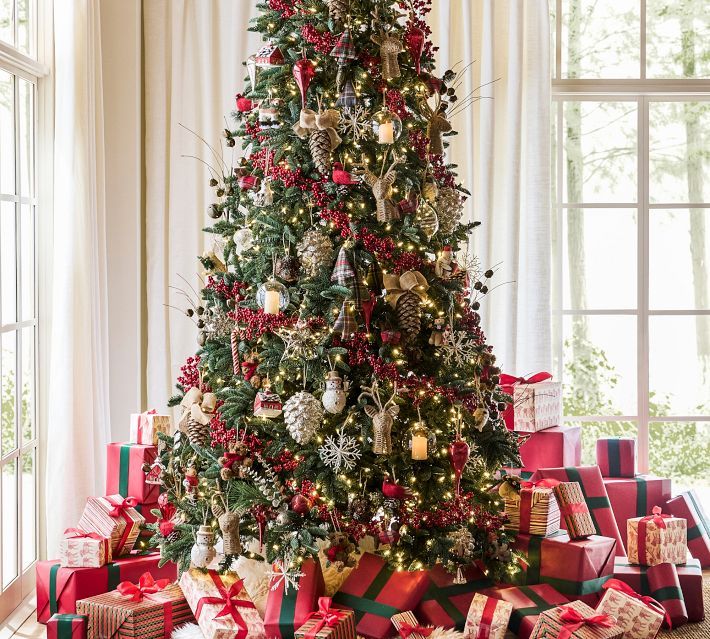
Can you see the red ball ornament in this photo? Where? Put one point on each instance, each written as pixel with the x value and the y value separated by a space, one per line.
pixel 303 72
pixel 301 504
pixel 460 453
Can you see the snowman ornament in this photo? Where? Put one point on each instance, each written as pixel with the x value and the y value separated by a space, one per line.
pixel 203 551
pixel 336 393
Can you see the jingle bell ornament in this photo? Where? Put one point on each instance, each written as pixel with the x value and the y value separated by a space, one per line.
pixel 336 393
pixel 303 72
pixel 203 551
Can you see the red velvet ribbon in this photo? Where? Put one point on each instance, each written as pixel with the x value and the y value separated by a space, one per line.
pixel 78 533
pixel 509 380
pixel 230 601
pixel 119 510
pixel 574 620
pixel 527 488
pixel 406 630
pixel 143 420
pixel 621 586
pixel 574 509
pixel 325 615
pixel 484 627
pixel 658 519
pixel 146 585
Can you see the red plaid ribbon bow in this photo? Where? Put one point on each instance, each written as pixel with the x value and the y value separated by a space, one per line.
pixel 120 507
pixel 574 620
pixel 230 601
pixel 145 587
pixel 325 615
pixel 406 630
pixel 621 586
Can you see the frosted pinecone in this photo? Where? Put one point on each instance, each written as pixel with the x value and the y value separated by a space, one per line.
pixel 449 206
pixel 315 251
pixel 303 414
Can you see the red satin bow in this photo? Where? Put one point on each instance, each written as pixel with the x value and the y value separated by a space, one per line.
pixel 507 380
pixel 621 586
pixel 657 517
pixel 405 630
pixel 146 586
pixel 540 483
pixel 119 508
pixel 230 601
pixel 574 620
pixel 78 533
pixel 325 615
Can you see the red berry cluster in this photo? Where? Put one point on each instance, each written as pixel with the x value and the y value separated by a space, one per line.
pixel 287 8
pixel 219 286
pixel 190 374
pixel 283 462
pixel 253 129
pixel 359 349
pixel 252 324
pixel 441 172
pixel 382 247
pixel 396 104
pixel 259 160
pixel 220 433
pixel 407 261
pixel 419 142
pixel 322 41
pixel 339 218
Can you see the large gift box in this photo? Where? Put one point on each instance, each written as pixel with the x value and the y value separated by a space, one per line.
pixel 144 427
pixel 328 623
pixel 58 589
pixel 114 517
pixel 80 549
pixel 287 608
pixel 641 617
pixel 533 510
pixel 590 481
pixel 635 497
pixel 408 626
pixel 576 620
pixel 664 584
pixel 529 602
pixel 488 617
pixel 375 592
pixel 616 456
pixel 67 627
pixel 576 568
pixel 574 510
pixel 690 578
pixel 221 605
pixel 687 506
pixel 656 539
pixel 124 472
pixel 146 610
pixel 537 403
pixel 552 448
pixel 446 603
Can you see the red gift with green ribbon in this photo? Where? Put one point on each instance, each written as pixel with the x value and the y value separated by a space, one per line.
pixel 616 456
pixel 67 627
pixel 687 506
pixel 124 472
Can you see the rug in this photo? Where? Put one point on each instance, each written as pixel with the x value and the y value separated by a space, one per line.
pixel 694 630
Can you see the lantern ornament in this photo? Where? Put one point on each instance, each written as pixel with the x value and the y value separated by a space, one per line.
pixel 273 297
pixel 422 441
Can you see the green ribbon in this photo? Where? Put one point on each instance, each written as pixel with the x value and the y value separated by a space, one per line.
pixel 518 614
pixel 114 576
pixel 569 587
pixel 593 503
pixel 442 595
pixel 702 517
pixel 667 594
pixel 366 603
pixel 614 455
pixel 644 588
pixel 641 497
pixel 65 625
pixel 124 466
pixel 53 603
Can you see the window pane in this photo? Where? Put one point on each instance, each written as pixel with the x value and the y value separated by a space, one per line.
pixel 27 261
pixel 600 152
pixel 7 133
pixel 600 365
pixel 677 39
pixel 24 38
pixel 8 385
pixel 679 259
pixel 678 158
pixel 28 384
pixel 29 552
pixel 600 258
pixel 591 431
pixel 8 534
pixel 8 264
pixel 7 22
pixel 679 365
pixel 600 38
pixel 25 138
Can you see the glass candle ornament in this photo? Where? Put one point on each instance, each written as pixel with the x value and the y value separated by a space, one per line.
pixel 421 441
pixel 272 296
pixel 386 126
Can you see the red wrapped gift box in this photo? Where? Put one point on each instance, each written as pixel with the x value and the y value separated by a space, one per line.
pixel 665 588
pixel 556 447
pixel 446 603
pixel 375 592
pixel 58 589
pixel 287 611
pixel 687 506
pixel 67 627
pixel 577 568
pixel 590 480
pixel 635 497
pixel 616 456
pixel 124 471
pixel 529 602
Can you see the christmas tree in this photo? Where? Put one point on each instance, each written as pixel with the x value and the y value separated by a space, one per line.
pixel 343 388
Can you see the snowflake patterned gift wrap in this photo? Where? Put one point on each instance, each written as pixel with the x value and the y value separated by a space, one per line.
pixel 221 605
pixel 113 517
pixel 80 549
pixel 328 623
pixel 641 617
pixel 537 402
pixel 534 510
pixel 657 539
pixel 576 620
pixel 487 618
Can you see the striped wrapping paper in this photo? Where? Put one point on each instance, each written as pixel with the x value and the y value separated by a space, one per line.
pixel 144 427
pixel 407 617
pixel 544 513
pixel 112 614
pixel 688 507
pixel 549 625
pixel 574 510
pixel 122 530
pixel 487 617
pixel 344 628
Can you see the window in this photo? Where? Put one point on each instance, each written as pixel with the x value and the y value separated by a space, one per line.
pixel 631 123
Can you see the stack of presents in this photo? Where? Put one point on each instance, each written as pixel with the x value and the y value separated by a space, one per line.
pixel 604 553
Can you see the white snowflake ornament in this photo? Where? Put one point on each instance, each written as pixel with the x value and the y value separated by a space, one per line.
pixel 282 572
pixel 457 347
pixel 340 451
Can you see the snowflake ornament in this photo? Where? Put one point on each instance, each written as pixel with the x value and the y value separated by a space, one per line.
pixel 340 451
pixel 457 348
pixel 282 572
pixel 356 123
pixel 300 340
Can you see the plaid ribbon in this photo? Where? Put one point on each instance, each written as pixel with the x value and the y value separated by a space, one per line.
pixel 344 48
pixel 347 98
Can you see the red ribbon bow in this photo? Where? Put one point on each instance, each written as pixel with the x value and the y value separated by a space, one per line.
pixel 405 630
pixel 230 601
pixel 574 620
pixel 621 586
pixel 78 533
pixel 526 493
pixel 507 380
pixel 657 518
pixel 540 483
pixel 120 507
pixel 145 587
pixel 325 615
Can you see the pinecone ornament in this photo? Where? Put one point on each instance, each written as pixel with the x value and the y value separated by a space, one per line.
pixel 315 251
pixel 449 207
pixel 303 414
pixel 409 315
pixel 338 10
pixel 198 433
pixel 320 146
pixel 426 219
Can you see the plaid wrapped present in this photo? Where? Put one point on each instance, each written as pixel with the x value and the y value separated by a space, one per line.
pixel 534 510
pixel 574 510
pixel 656 539
pixel 328 623
pixel 487 617
pixel 408 626
pixel 687 506
pixel 114 517
pixel 576 620
pixel 67 627
pixel 641 617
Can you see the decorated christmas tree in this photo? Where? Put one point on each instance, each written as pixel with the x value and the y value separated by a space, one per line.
pixel 343 389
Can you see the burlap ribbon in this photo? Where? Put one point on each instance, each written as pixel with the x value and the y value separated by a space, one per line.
pixel 324 121
pixel 199 406
pixel 398 285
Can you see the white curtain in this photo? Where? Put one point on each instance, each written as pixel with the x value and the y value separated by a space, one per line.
pixel 78 423
pixel 503 153
pixel 194 50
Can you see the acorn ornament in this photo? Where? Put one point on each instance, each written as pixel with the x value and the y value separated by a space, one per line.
pixel 336 393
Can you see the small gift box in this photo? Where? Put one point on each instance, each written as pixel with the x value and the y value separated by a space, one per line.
pixel 80 549
pixel 408 627
pixel 664 585
pixel 574 510
pixel 67 627
pixel 487 618
pixel 328 622
pixel 641 617
pixel 148 609
pixel 221 605
pixel 656 539
pixel 144 427
pixel 555 447
pixel 616 456
pixel 576 620
pixel 267 404
pixel 687 506
pixel 537 403
pixel 124 472
pixel 534 510
pixel 114 517
pixel 529 602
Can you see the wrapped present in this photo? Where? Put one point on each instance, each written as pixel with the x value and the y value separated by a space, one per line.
pixel 529 602
pixel 446 603
pixel 537 403
pixel 534 510
pixel 80 549
pixel 408 627
pixel 148 609
pixel 687 506
pixel 67 627
pixel 517 472
pixel 267 404
pixel 576 620
pixel 555 447
pixel 124 472
pixel 574 510
pixel 376 593
pixel 576 568
pixel 616 456
pixel 657 538
pixel 640 616
pixel 144 427
pixel 664 584
pixel 328 622
pixel 690 578
pixel 221 605
pixel 58 589
pixel 487 617
pixel 590 481
pixel 114 517
pixel 635 497
pixel 287 608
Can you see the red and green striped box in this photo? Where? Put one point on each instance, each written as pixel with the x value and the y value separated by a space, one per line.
pixel 687 506
pixel 529 602
pixel 67 627
pixel 616 456
pixel 124 472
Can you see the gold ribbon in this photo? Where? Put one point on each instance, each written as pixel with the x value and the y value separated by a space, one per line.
pixel 398 285
pixel 324 121
pixel 198 406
